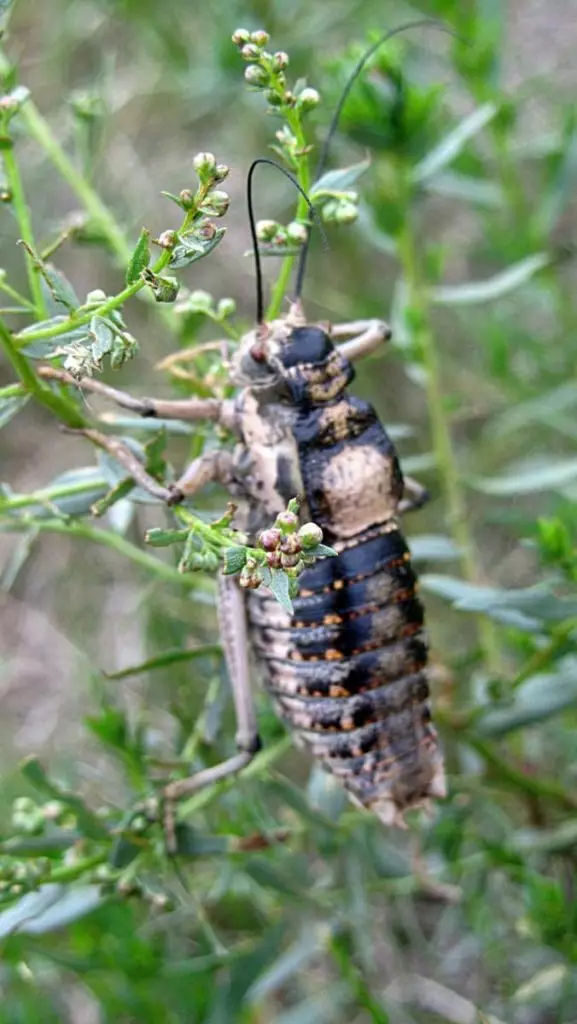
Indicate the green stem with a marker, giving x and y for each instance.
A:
(77, 321)
(47, 496)
(281, 286)
(20, 299)
(441, 439)
(59, 405)
(546, 788)
(22, 214)
(107, 539)
(100, 215)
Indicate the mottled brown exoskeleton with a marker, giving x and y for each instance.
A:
(348, 669)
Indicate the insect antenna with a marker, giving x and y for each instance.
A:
(421, 23)
(252, 223)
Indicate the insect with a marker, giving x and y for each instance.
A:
(348, 669)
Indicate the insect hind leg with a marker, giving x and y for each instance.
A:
(233, 629)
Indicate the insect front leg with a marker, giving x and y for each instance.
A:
(365, 335)
(420, 496)
(233, 628)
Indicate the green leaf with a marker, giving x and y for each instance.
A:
(159, 538)
(117, 493)
(51, 907)
(449, 148)
(59, 287)
(234, 560)
(189, 249)
(165, 658)
(103, 338)
(322, 551)
(88, 824)
(494, 287)
(279, 587)
(140, 258)
(537, 699)
(552, 473)
(10, 406)
(339, 180)
(268, 876)
(539, 602)
(44, 347)
(464, 186)
(433, 547)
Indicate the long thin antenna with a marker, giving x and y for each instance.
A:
(337, 114)
(252, 222)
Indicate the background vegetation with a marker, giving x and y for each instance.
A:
(286, 904)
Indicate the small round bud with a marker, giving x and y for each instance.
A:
(204, 164)
(53, 810)
(200, 301)
(255, 75)
(289, 98)
(221, 172)
(273, 98)
(206, 231)
(266, 230)
(270, 539)
(95, 297)
(310, 535)
(250, 580)
(309, 99)
(167, 240)
(216, 203)
(186, 198)
(260, 37)
(346, 213)
(287, 522)
(280, 60)
(291, 544)
(280, 237)
(274, 560)
(289, 561)
(250, 52)
(225, 308)
(297, 232)
(240, 36)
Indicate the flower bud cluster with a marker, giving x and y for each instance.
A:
(276, 236)
(341, 208)
(266, 72)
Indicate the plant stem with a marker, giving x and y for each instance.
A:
(22, 214)
(77, 321)
(441, 439)
(281, 286)
(546, 788)
(48, 495)
(109, 540)
(100, 215)
(59, 405)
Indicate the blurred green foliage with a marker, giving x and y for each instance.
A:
(285, 904)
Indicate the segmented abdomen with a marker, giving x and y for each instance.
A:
(348, 671)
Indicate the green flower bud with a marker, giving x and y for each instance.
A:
(310, 535)
(297, 232)
(274, 560)
(250, 580)
(221, 172)
(250, 52)
(216, 203)
(204, 164)
(287, 522)
(225, 308)
(255, 75)
(165, 289)
(240, 36)
(95, 297)
(200, 302)
(288, 562)
(280, 60)
(308, 99)
(260, 37)
(346, 213)
(266, 230)
(186, 199)
(273, 98)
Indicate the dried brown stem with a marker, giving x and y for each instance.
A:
(119, 451)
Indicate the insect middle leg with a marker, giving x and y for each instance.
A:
(365, 336)
(233, 628)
